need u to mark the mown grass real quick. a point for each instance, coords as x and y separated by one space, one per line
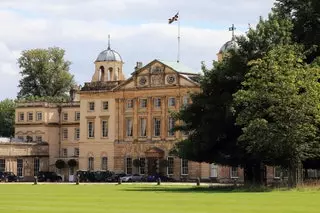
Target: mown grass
62 198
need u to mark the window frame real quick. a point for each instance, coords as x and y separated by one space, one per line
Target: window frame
76 152
157 102
141 127
104 163
65 116
90 134
128 126
104 129
170 167
90 163
91 106
39 114
65 134
128 161
143 103
232 172
28 116
77 133
105 105
21 115
184 167
64 152
129 104
155 125
76 118
171 102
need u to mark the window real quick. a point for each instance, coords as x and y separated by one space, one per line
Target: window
234 172
77 116
128 165
104 126
21 116
39 116
184 167
77 133
30 116
76 152
65 134
2 165
90 129
90 163
104 163
36 166
19 167
21 138
143 103
105 105
65 116
214 170
29 138
156 127
65 152
171 122
91 106
172 102
129 104
170 166
157 102
129 127
142 169
143 127
39 139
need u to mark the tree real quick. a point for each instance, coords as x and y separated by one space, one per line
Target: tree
7 115
278 109
305 16
45 73
209 120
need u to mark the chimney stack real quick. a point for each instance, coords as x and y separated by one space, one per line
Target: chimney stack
138 66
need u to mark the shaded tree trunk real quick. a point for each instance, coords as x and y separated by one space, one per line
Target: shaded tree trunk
295 173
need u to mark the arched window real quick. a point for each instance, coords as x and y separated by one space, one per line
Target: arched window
110 74
101 73
104 163
90 163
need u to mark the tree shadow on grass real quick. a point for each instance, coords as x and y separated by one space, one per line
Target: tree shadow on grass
200 189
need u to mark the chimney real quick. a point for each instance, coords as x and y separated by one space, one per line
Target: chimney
138 66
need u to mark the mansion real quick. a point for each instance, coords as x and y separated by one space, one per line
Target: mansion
111 123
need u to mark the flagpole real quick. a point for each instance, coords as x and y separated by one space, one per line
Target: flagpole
178 58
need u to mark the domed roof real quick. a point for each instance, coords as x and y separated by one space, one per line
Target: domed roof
229 45
109 55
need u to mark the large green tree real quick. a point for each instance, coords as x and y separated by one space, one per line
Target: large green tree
279 110
305 16
45 73
210 120
7 109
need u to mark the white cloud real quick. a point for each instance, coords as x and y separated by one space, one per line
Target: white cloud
138 29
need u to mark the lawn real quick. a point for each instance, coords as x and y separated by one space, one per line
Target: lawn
63 198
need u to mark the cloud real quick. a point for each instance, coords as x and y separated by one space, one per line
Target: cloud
139 31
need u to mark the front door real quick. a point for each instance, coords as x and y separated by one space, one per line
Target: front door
152 166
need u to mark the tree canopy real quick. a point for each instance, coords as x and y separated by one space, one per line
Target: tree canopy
7 115
45 73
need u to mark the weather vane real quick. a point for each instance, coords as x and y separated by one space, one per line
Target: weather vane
232 28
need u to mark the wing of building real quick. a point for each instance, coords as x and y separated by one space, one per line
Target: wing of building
112 122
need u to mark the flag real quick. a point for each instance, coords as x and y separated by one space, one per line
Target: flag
174 18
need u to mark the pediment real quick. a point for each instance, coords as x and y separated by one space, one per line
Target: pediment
158 74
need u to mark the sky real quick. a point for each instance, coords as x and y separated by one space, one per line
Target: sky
139 31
